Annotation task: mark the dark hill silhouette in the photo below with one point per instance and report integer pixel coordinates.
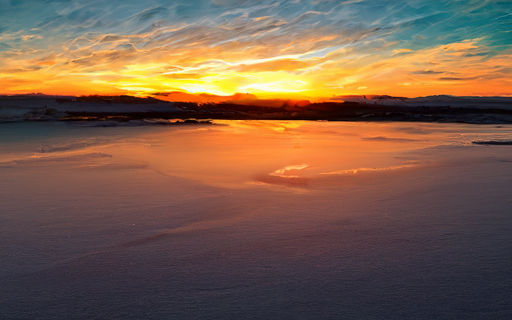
(352, 108)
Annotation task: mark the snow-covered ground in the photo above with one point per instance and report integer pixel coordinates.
(255, 220)
(41, 107)
(435, 101)
(48, 108)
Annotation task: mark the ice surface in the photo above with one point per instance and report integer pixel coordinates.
(255, 220)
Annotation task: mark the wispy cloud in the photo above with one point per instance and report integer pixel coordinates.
(315, 48)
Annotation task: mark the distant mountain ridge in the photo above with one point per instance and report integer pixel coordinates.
(39, 107)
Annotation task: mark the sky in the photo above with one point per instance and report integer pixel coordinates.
(272, 49)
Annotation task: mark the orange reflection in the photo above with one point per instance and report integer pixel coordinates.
(241, 154)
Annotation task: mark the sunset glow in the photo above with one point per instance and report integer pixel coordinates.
(255, 159)
(273, 49)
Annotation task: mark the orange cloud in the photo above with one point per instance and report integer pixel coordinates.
(311, 69)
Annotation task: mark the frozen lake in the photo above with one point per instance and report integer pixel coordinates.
(255, 220)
